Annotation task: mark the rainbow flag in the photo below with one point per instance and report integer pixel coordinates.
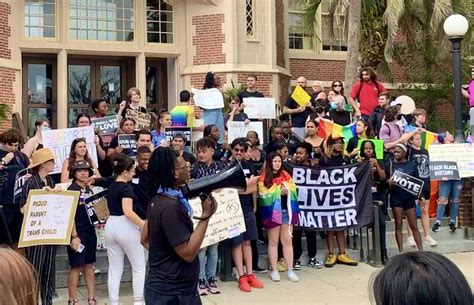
(428, 138)
(327, 127)
(270, 201)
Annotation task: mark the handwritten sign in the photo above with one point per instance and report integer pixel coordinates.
(143, 120)
(444, 170)
(59, 141)
(106, 125)
(227, 222)
(129, 144)
(301, 96)
(378, 147)
(239, 129)
(409, 183)
(208, 98)
(462, 154)
(260, 107)
(171, 132)
(48, 218)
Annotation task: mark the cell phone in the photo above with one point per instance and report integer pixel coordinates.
(81, 248)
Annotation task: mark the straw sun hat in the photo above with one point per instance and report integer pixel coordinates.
(41, 156)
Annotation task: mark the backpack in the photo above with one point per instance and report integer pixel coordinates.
(361, 82)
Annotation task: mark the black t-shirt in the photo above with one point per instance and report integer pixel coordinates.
(292, 143)
(115, 193)
(246, 201)
(298, 120)
(140, 189)
(168, 226)
(245, 94)
(340, 117)
(81, 219)
(334, 160)
(238, 117)
(397, 194)
(189, 157)
(422, 161)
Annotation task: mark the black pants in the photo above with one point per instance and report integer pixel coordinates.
(310, 243)
(43, 259)
(153, 298)
(253, 244)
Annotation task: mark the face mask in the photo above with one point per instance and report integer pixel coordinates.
(333, 105)
(44, 128)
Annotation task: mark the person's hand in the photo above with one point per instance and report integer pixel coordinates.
(90, 181)
(355, 152)
(164, 143)
(207, 209)
(358, 160)
(75, 242)
(300, 109)
(252, 180)
(317, 150)
(391, 182)
(47, 189)
(96, 140)
(283, 189)
(118, 149)
(357, 113)
(247, 121)
(373, 162)
(235, 108)
(57, 188)
(122, 105)
(8, 157)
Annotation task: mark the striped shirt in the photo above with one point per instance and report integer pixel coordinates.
(34, 183)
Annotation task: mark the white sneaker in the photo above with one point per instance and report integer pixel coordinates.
(411, 241)
(275, 276)
(292, 276)
(430, 241)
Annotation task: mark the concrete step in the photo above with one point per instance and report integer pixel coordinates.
(100, 278)
(391, 224)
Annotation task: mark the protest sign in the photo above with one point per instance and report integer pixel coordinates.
(96, 207)
(208, 98)
(59, 141)
(227, 221)
(105, 125)
(239, 129)
(301, 96)
(409, 183)
(260, 107)
(170, 132)
(20, 180)
(334, 198)
(48, 218)
(462, 154)
(378, 147)
(444, 170)
(129, 144)
(143, 120)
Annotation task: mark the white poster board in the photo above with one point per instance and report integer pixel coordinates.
(239, 129)
(260, 107)
(60, 140)
(208, 98)
(48, 218)
(462, 154)
(227, 221)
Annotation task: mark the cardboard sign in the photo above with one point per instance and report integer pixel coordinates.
(260, 107)
(378, 147)
(96, 207)
(143, 120)
(129, 144)
(239, 130)
(409, 183)
(105, 125)
(228, 220)
(208, 98)
(60, 140)
(444, 170)
(462, 154)
(170, 132)
(48, 218)
(301, 96)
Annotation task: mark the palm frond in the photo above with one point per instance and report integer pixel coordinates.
(309, 15)
(441, 10)
(395, 9)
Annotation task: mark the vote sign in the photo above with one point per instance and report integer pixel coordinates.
(408, 183)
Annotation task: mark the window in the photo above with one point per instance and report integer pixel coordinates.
(110, 20)
(339, 41)
(40, 18)
(156, 84)
(159, 21)
(250, 18)
(298, 38)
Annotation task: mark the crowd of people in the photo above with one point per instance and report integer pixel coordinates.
(142, 191)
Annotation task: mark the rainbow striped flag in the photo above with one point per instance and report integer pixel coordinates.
(327, 127)
(428, 138)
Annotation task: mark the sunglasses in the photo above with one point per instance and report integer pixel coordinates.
(239, 150)
(337, 85)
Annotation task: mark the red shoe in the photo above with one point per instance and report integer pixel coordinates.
(253, 281)
(244, 284)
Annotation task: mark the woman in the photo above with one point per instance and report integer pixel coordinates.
(213, 132)
(122, 232)
(401, 200)
(331, 95)
(83, 120)
(256, 154)
(100, 108)
(18, 280)
(335, 157)
(363, 131)
(236, 113)
(43, 257)
(78, 153)
(338, 88)
(337, 112)
(83, 233)
(127, 126)
(313, 138)
(379, 190)
(159, 134)
(132, 103)
(279, 211)
(214, 116)
(36, 142)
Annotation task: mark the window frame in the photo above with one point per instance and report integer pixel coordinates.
(173, 24)
(56, 23)
(253, 23)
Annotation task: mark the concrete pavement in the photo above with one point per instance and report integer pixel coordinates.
(338, 285)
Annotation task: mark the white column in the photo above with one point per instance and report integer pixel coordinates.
(62, 88)
(140, 77)
(172, 82)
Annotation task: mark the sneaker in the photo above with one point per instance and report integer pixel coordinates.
(253, 281)
(257, 269)
(344, 258)
(297, 264)
(96, 271)
(275, 276)
(202, 287)
(244, 284)
(282, 266)
(330, 260)
(411, 241)
(436, 227)
(292, 276)
(452, 227)
(315, 263)
(212, 286)
(430, 241)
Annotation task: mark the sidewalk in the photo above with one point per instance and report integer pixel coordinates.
(337, 285)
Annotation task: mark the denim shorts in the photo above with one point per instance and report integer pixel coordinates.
(450, 189)
(285, 217)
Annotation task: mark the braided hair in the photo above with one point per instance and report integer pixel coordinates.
(161, 170)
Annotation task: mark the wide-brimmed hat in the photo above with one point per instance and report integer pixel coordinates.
(82, 164)
(41, 156)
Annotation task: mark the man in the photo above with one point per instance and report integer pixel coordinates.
(182, 115)
(140, 180)
(178, 143)
(291, 140)
(376, 118)
(169, 236)
(143, 138)
(298, 113)
(251, 90)
(366, 91)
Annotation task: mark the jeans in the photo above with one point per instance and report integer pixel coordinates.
(215, 117)
(208, 261)
(450, 190)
